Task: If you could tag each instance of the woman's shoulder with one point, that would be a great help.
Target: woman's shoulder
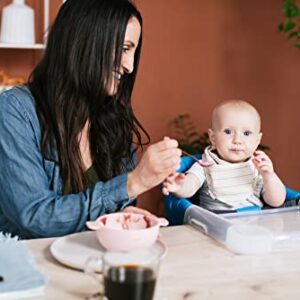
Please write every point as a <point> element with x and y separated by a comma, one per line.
<point>18,98</point>
<point>17,109</point>
<point>20,94</point>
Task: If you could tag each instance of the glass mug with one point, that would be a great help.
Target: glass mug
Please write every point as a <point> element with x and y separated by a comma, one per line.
<point>126,275</point>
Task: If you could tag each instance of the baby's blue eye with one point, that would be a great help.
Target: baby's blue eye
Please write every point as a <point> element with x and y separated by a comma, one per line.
<point>247,133</point>
<point>227,131</point>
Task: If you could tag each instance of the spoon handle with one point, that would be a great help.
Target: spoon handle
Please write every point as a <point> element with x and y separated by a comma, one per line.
<point>190,155</point>
<point>204,164</point>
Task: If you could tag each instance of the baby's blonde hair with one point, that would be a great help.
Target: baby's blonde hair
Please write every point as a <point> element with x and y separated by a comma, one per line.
<point>236,104</point>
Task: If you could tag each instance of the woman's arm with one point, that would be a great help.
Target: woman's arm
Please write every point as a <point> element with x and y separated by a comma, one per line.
<point>31,201</point>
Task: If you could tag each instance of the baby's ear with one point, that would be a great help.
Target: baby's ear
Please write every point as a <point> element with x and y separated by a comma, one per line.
<point>211,135</point>
<point>259,138</point>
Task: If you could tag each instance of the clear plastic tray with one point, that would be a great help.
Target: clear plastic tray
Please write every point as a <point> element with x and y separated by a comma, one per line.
<point>255,232</point>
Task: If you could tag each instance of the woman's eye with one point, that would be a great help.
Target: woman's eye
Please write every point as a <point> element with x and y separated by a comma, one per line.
<point>227,131</point>
<point>125,50</point>
<point>247,133</point>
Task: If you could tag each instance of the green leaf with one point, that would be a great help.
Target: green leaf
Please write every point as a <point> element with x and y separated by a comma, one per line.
<point>292,34</point>
<point>288,2</point>
<point>291,11</point>
<point>289,26</point>
<point>297,45</point>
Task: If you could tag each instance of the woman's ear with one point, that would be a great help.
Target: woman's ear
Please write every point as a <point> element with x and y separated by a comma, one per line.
<point>211,135</point>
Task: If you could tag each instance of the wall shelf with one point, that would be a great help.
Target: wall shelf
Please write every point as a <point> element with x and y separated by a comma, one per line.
<point>14,46</point>
<point>37,46</point>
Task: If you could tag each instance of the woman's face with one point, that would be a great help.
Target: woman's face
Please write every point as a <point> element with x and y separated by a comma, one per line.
<point>131,41</point>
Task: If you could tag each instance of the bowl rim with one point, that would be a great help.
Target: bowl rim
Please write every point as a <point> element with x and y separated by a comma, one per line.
<point>127,230</point>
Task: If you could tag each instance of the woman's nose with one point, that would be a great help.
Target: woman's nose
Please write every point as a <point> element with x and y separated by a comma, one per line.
<point>128,63</point>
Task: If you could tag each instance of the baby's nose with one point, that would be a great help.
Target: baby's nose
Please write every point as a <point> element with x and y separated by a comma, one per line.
<point>236,139</point>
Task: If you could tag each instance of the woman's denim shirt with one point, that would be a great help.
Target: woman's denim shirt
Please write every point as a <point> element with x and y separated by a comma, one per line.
<point>31,200</point>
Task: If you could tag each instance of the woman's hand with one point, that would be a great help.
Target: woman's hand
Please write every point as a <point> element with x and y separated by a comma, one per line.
<point>158,162</point>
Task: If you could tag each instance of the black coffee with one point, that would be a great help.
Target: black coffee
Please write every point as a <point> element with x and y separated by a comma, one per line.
<point>129,283</point>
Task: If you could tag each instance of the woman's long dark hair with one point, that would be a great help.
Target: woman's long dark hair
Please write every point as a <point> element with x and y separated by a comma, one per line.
<point>70,88</point>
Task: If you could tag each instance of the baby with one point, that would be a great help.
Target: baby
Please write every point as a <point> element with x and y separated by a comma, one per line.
<point>234,175</point>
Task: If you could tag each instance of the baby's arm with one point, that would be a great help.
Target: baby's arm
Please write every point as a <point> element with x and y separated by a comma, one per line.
<point>274,189</point>
<point>183,186</point>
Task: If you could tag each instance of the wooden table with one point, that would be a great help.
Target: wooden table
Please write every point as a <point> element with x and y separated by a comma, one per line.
<point>195,268</point>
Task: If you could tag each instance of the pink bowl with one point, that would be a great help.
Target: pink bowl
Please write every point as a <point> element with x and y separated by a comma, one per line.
<point>126,231</point>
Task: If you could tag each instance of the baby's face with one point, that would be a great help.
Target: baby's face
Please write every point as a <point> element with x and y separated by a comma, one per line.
<point>235,133</point>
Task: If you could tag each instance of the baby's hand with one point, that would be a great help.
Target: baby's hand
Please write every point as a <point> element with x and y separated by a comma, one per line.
<point>263,163</point>
<point>172,183</point>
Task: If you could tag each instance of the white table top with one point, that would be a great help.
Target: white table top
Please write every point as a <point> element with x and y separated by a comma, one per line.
<point>195,267</point>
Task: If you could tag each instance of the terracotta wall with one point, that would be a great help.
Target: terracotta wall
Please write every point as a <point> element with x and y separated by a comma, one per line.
<point>197,53</point>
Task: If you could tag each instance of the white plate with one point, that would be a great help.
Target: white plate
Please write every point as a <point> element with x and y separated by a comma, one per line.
<point>74,250</point>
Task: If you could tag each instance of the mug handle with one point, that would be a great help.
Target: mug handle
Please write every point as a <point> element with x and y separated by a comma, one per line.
<point>89,269</point>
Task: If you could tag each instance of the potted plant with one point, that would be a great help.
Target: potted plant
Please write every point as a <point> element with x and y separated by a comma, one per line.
<point>291,24</point>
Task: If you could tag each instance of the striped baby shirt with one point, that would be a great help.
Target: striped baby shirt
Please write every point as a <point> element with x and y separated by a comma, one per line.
<point>235,184</point>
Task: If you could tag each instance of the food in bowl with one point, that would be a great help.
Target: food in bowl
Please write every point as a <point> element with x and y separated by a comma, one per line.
<point>126,231</point>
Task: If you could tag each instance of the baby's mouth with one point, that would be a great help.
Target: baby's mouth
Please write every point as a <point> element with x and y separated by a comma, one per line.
<point>236,150</point>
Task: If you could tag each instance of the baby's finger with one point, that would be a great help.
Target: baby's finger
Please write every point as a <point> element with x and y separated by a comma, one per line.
<point>261,165</point>
<point>180,176</point>
<point>180,179</point>
<point>165,183</point>
<point>256,161</point>
<point>171,179</point>
<point>165,191</point>
<point>265,167</point>
<point>259,159</point>
<point>261,155</point>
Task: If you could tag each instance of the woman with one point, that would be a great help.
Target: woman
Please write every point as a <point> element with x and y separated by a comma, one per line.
<point>66,138</point>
